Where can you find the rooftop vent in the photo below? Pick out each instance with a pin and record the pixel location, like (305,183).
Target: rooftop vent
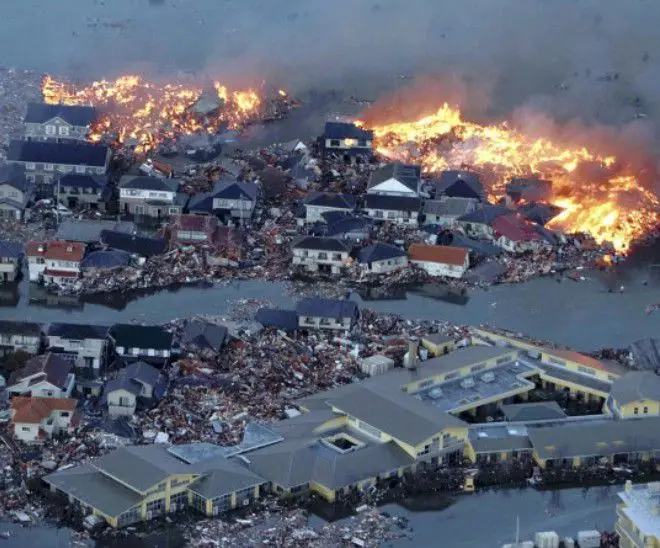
(467,383)
(488,377)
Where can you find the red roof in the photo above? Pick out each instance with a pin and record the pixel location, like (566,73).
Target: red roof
(514,228)
(60,273)
(65,251)
(441,254)
(35,249)
(198,223)
(34,410)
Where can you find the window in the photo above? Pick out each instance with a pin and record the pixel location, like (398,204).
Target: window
(369,429)
(64,131)
(50,130)
(322,256)
(49,167)
(636,411)
(64,414)
(13,194)
(450,376)
(80,169)
(646,410)
(336,256)
(585,370)
(334,142)
(556,361)
(362,143)
(391,214)
(479,367)
(30,165)
(378,214)
(25,428)
(503,359)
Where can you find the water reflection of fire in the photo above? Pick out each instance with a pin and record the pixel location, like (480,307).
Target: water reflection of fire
(134,108)
(613,207)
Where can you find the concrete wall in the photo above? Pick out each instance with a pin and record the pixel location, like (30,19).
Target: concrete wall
(440,269)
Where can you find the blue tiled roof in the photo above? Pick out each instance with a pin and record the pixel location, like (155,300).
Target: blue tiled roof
(137,245)
(235,190)
(11,250)
(57,153)
(76,180)
(344,130)
(106,259)
(14,175)
(379,252)
(76,115)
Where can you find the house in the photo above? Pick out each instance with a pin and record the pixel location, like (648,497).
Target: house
(396,179)
(25,336)
(459,184)
(440,260)
(58,122)
(446,211)
(635,394)
(44,162)
(528,190)
(396,209)
(331,314)
(347,138)
(15,192)
(86,344)
(104,262)
(187,229)
(140,247)
(637,523)
(142,482)
(88,231)
(516,235)
(151,343)
(55,262)
(150,196)
(478,223)
(318,203)
(45,376)
(138,381)
(11,256)
(347,227)
(539,213)
(287,320)
(75,190)
(36,420)
(315,254)
(379,258)
(204,336)
(235,199)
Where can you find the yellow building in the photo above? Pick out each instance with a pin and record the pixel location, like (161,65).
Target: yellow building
(438,344)
(635,394)
(638,516)
(137,483)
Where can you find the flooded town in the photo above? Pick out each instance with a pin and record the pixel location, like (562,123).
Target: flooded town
(252,304)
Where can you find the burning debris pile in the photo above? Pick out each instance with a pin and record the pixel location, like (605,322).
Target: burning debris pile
(142,113)
(612,206)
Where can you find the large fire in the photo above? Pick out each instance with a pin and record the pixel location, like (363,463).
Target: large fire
(614,208)
(134,108)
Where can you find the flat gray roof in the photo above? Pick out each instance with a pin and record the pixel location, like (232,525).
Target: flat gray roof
(90,486)
(491,439)
(536,411)
(596,438)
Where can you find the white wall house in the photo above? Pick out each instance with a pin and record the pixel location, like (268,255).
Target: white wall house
(37,419)
(87,344)
(320,254)
(381,258)
(330,314)
(439,260)
(395,209)
(121,402)
(396,179)
(15,336)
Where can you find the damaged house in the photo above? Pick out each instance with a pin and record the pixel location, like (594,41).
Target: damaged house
(85,345)
(318,203)
(235,200)
(347,138)
(396,179)
(379,258)
(440,260)
(150,196)
(316,254)
(150,343)
(15,192)
(45,376)
(330,314)
(36,420)
(14,336)
(137,382)
(516,235)
(11,257)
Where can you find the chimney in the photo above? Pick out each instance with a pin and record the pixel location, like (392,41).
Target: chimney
(410,359)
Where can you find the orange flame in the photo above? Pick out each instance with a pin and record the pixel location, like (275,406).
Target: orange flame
(616,209)
(141,110)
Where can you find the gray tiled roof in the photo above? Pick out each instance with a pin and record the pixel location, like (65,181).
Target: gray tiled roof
(227,476)
(636,386)
(76,115)
(141,371)
(408,175)
(11,250)
(327,308)
(379,252)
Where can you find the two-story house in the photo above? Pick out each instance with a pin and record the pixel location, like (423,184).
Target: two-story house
(150,343)
(15,192)
(316,254)
(137,382)
(58,122)
(75,190)
(318,203)
(235,200)
(140,247)
(11,255)
(45,161)
(45,376)
(36,420)
(331,314)
(193,229)
(440,260)
(55,262)
(396,209)
(515,234)
(380,258)
(396,179)
(14,335)
(86,344)
(347,138)
(150,196)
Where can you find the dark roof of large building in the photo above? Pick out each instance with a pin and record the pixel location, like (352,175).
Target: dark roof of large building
(324,244)
(346,130)
(227,476)
(76,115)
(14,175)
(77,180)
(392,203)
(141,336)
(106,259)
(10,327)
(144,182)
(328,199)
(327,308)
(460,184)
(11,250)
(379,252)
(47,152)
(137,245)
(406,174)
(77,331)
(275,317)
(636,386)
